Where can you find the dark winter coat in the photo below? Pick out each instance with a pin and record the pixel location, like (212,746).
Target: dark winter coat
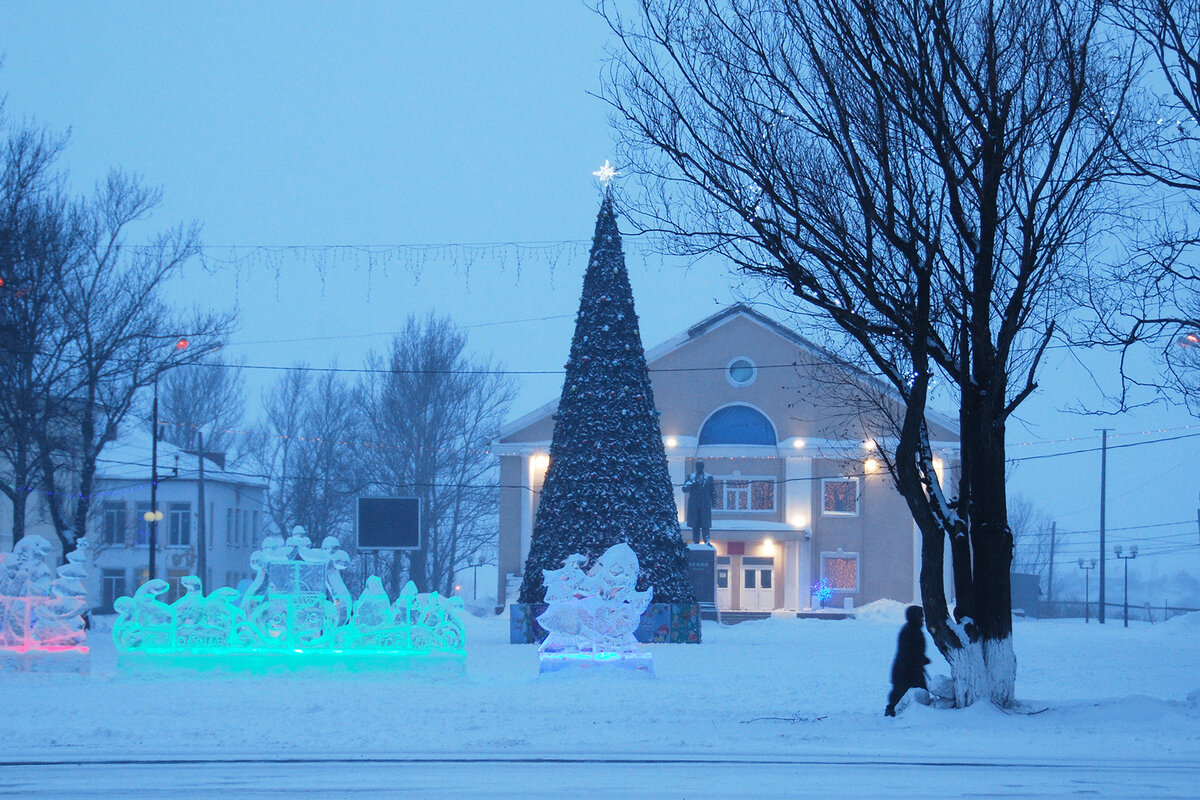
(701,495)
(908,670)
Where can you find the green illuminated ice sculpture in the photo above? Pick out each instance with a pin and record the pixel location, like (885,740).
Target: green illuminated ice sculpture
(296,605)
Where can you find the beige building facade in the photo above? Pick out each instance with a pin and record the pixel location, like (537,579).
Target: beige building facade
(779,424)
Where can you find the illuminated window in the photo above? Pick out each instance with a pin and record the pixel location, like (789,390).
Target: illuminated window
(736,495)
(840,570)
(745,494)
(839,497)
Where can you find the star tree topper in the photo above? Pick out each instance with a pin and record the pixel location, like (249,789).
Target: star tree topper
(606,173)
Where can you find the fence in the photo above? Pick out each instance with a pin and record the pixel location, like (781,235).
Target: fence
(1068,609)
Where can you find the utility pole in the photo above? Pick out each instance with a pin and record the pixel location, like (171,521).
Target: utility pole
(152,515)
(201,528)
(1050,579)
(1103,480)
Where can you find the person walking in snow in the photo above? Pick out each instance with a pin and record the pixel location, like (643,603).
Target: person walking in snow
(908,670)
(701,496)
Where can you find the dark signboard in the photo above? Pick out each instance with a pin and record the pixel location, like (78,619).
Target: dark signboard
(388,523)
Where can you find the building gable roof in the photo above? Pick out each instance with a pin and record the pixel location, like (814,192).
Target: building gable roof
(129,458)
(737,311)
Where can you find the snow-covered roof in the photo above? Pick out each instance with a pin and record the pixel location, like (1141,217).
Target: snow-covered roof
(129,459)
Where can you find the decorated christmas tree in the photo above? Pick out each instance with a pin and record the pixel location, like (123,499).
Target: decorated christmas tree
(607,481)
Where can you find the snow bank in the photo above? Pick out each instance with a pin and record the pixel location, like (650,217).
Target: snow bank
(888,611)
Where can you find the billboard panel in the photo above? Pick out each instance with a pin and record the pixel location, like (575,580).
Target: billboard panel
(388,523)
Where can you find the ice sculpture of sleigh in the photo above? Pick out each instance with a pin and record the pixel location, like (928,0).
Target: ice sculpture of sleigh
(297,611)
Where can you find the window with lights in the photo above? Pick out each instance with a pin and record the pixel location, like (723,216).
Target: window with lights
(745,494)
(840,570)
(839,497)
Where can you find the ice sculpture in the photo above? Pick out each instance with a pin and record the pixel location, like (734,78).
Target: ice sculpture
(591,616)
(297,604)
(40,612)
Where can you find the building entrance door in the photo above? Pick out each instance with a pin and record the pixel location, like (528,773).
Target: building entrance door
(724,594)
(758,584)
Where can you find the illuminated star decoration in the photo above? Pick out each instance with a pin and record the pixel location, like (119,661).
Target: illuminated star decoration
(606,173)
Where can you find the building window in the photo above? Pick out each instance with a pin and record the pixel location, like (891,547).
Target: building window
(141,526)
(745,494)
(229,527)
(741,371)
(839,497)
(722,578)
(840,570)
(735,495)
(175,583)
(737,424)
(179,524)
(113,526)
(112,586)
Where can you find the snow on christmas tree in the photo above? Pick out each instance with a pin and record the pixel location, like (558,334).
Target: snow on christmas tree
(607,481)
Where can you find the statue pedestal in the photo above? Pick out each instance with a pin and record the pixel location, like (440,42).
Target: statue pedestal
(596,663)
(702,569)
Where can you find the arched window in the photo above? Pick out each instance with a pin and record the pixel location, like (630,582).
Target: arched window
(737,425)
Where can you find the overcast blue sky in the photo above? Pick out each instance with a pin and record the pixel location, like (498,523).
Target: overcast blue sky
(464,122)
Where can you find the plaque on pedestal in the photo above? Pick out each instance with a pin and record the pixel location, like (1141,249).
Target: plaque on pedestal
(702,567)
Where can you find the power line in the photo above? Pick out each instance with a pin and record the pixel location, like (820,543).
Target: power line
(398,333)
(1191,522)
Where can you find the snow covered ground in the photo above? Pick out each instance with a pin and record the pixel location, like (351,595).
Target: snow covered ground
(777,708)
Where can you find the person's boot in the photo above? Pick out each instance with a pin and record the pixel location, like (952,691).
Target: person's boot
(890,711)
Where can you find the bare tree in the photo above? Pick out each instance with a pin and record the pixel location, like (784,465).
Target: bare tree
(1033,539)
(122,337)
(309,453)
(435,411)
(922,177)
(1158,299)
(207,397)
(84,326)
(37,231)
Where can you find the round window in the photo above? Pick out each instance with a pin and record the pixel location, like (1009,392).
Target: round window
(741,371)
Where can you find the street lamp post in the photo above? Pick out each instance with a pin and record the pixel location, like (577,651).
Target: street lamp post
(1126,558)
(475,562)
(153,515)
(1087,568)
